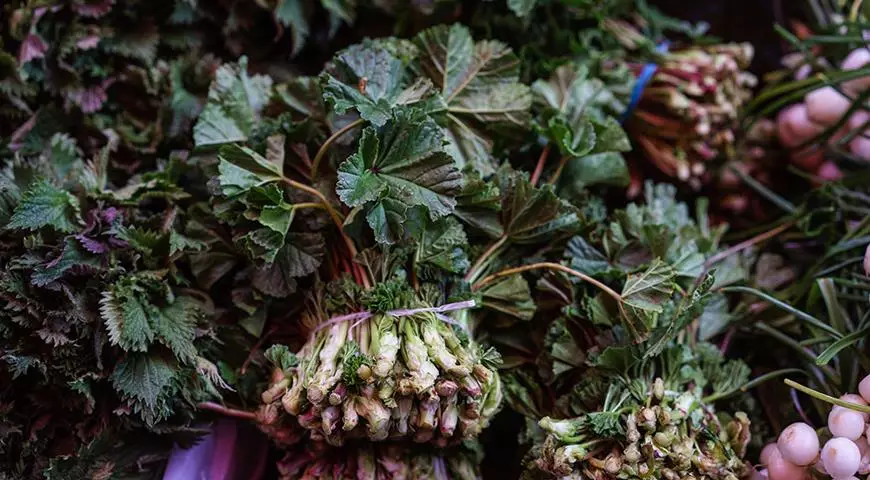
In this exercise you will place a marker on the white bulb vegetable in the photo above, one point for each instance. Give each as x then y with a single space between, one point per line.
799 444
864 388
841 457
846 423
859 58
853 398
826 105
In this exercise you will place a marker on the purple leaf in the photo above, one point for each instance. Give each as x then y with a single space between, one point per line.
91 245
32 48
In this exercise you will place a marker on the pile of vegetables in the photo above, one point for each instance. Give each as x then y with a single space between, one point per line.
537 239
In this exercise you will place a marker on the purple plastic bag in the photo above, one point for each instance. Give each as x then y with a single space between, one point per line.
230 451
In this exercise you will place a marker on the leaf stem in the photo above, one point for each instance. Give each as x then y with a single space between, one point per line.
557 267
788 308
750 384
303 205
827 398
539 167
336 217
562 162
474 271
230 412
332 138
747 243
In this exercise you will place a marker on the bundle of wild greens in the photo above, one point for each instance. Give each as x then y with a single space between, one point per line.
398 370
648 417
643 307
389 461
100 308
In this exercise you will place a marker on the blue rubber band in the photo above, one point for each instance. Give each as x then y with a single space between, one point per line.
648 72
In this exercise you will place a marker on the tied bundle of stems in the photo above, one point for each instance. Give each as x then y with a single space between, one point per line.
389 374
688 112
670 435
387 461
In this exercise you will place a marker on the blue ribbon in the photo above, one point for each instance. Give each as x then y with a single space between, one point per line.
649 70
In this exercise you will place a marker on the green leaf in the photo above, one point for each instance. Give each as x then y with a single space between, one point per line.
531 215
175 327
478 204
479 84
608 168
44 205
522 8
235 103
571 94
372 78
125 315
585 258
291 13
137 311
573 140
677 317
146 379
509 295
647 290
442 245
562 348
242 169
73 255
281 357
400 166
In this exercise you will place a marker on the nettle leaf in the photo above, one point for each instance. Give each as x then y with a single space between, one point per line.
45 205
372 78
235 103
72 256
400 166
137 311
145 379
442 245
522 8
533 214
480 88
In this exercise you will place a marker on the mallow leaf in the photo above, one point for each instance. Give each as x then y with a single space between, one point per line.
480 89
235 103
400 166
442 244
533 214
372 77
241 169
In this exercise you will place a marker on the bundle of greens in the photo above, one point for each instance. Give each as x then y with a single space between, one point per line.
641 428
99 308
397 371
388 461
688 112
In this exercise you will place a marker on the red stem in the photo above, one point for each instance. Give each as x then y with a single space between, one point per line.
539 167
230 412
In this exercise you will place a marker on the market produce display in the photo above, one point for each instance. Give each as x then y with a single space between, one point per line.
533 239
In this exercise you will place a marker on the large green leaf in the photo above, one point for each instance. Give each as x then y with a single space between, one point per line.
400 166
372 77
480 89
